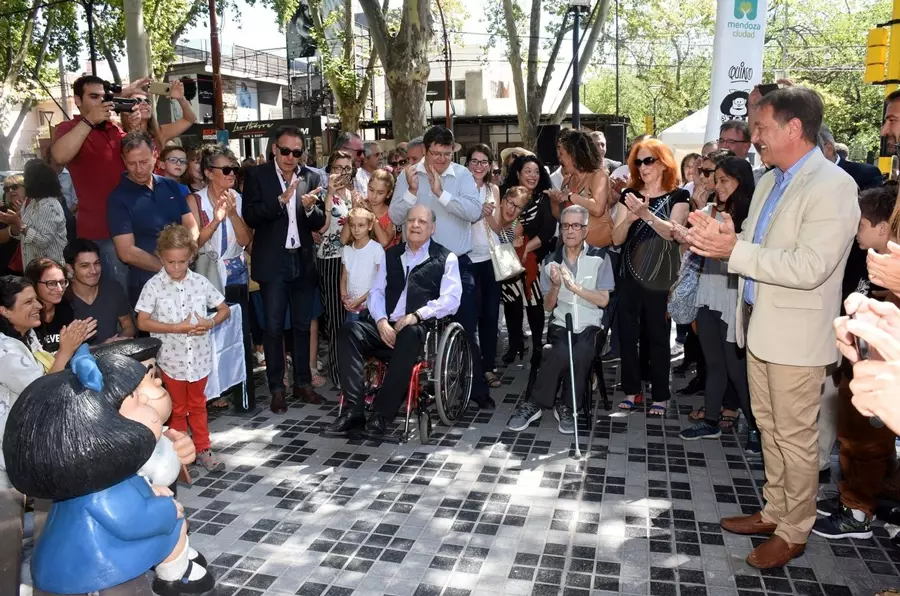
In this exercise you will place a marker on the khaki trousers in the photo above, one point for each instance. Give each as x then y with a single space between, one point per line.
785 401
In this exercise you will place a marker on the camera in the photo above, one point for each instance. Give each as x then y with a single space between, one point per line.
120 104
110 90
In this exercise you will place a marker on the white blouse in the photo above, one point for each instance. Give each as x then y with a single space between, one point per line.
18 369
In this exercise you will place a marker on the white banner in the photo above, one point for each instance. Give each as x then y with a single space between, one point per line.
737 60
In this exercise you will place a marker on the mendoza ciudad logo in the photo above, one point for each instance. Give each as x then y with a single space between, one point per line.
746 12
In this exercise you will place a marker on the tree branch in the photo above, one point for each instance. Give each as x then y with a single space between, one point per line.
534 31
108 55
189 17
370 69
554 52
515 59
377 26
18 58
348 33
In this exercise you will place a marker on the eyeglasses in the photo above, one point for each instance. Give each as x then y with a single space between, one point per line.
12 187
398 164
479 163
226 170
519 208
705 172
341 169
441 154
284 151
647 161
575 227
61 284
732 142
177 161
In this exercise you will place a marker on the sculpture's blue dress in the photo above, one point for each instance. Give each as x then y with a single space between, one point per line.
105 538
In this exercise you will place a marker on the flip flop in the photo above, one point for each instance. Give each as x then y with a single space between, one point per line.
658 410
317 380
727 422
696 414
220 404
632 405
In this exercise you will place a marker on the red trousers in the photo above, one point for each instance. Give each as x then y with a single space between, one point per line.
189 409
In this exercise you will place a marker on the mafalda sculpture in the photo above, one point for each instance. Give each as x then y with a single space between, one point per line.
79 437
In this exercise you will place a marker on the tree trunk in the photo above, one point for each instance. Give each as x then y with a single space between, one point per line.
514 54
407 88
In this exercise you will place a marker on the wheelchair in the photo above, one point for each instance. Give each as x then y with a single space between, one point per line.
441 380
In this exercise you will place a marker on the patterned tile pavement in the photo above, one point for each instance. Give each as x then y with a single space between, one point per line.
482 511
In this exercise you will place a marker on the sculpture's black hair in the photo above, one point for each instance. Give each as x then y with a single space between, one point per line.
63 440
140 349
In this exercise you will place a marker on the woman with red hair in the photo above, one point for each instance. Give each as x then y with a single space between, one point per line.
650 264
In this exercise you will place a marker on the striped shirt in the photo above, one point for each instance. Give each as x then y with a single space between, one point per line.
45 235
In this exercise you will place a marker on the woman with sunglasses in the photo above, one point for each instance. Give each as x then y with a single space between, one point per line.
164 133
397 160
13 199
219 208
537 228
705 184
50 283
478 161
653 204
339 200
717 298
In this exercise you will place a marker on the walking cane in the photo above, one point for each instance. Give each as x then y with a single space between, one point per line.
572 380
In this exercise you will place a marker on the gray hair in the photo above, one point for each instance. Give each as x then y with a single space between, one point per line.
344 138
135 139
825 137
370 146
708 147
210 153
578 210
416 142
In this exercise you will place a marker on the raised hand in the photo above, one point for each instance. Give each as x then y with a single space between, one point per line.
434 180
289 192
412 178
76 333
176 90
310 198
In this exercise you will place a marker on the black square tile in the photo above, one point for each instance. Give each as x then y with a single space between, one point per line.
237 577
442 563
427 590
663 589
393 556
312 589
360 565
519 572
610 584
260 581
521 558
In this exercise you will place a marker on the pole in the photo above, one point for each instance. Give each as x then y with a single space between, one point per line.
136 42
63 88
617 58
446 64
89 9
576 99
218 107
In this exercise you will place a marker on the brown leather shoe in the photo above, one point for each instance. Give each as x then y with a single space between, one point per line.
774 552
308 395
279 403
747 524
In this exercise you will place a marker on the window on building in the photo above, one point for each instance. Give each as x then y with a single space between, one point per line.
459 89
438 87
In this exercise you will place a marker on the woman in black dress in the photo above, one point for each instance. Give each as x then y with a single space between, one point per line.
536 227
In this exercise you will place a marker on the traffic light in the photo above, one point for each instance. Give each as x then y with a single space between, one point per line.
876 55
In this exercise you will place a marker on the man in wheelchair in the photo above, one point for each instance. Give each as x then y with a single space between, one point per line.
576 279
419 282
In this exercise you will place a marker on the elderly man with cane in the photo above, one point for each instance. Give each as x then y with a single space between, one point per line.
576 279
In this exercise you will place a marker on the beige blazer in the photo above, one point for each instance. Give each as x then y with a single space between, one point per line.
799 267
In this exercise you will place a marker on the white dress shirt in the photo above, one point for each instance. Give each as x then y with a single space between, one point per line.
292 240
361 181
445 305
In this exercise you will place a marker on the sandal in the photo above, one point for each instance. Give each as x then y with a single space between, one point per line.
317 380
727 422
492 380
698 414
220 404
657 410
629 405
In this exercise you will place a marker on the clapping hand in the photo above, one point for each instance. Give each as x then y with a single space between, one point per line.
221 210
884 270
202 326
412 178
709 237
865 312
310 198
358 200
76 333
638 207
555 277
434 180
11 218
568 280
557 196
289 192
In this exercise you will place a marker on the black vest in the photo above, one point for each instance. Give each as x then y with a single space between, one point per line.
424 279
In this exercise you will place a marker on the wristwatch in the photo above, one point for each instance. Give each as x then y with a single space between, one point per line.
418 317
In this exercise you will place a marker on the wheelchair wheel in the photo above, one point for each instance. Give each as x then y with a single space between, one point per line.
453 374
424 428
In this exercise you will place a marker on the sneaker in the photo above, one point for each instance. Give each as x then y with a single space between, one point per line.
524 415
677 350
566 420
207 461
754 446
701 430
843 524
829 507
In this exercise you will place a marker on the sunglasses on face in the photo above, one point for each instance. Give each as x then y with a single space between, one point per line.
61 284
226 170
177 161
705 172
284 151
12 187
398 164
647 161
358 152
497 172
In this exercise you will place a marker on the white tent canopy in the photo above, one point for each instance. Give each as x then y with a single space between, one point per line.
688 135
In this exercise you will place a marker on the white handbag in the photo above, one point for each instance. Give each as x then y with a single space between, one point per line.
504 258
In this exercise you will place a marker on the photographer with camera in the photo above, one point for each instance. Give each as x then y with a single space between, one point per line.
89 145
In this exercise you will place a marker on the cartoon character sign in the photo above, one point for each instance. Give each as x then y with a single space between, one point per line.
734 106
79 437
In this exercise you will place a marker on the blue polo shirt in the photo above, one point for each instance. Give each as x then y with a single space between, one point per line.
137 209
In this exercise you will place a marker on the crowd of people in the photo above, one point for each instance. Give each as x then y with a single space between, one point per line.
122 232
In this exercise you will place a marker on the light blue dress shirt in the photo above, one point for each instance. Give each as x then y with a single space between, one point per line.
782 180
458 207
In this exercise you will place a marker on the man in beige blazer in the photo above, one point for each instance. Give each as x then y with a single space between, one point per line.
790 256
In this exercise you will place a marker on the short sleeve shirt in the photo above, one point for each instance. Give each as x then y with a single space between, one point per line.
362 265
96 170
181 357
108 307
48 333
137 209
